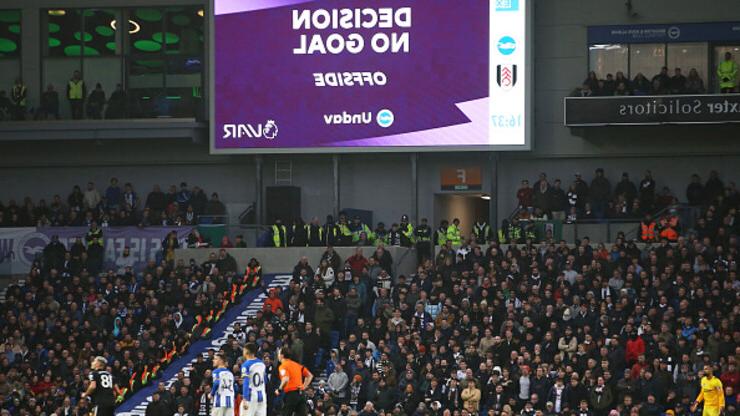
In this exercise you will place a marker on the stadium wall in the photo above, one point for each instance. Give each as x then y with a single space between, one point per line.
383 182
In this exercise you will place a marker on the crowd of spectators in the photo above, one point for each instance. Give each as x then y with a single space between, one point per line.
65 315
663 83
582 201
531 330
116 206
599 199
92 104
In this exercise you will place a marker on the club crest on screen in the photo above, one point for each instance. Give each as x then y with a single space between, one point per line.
506 76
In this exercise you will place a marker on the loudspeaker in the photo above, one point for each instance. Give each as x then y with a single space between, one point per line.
282 202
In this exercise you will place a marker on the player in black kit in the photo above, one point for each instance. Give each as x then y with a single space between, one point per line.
100 389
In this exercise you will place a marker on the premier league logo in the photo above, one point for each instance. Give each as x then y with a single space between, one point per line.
270 130
506 76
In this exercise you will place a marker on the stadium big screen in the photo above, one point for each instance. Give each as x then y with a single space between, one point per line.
381 75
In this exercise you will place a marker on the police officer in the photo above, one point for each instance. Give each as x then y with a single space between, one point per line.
18 96
330 232
482 232
76 93
423 237
514 231
344 232
453 233
407 232
727 74
501 235
440 236
315 233
380 234
279 234
358 227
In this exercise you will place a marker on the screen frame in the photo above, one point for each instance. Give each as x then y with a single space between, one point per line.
528 102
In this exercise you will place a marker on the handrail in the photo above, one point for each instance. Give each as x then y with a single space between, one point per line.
516 211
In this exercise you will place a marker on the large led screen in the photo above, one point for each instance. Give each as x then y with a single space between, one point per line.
377 75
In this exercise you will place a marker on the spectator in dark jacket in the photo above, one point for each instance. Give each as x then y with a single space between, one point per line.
641 85
695 191
599 193
647 191
592 81
609 86
678 82
157 407
557 201
621 79
96 102
694 84
581 188
216 208
49 104
541 194
117 104
661 82
156 200
714 187
626 187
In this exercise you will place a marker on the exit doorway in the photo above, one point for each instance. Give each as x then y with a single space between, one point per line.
468 208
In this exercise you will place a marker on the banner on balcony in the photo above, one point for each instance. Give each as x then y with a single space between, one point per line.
652 110
665 33
20 246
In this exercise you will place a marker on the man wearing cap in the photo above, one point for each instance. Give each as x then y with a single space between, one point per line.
407 232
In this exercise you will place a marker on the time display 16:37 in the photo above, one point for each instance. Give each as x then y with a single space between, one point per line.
510 121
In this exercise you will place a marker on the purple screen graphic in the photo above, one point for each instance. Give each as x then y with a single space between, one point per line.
298 74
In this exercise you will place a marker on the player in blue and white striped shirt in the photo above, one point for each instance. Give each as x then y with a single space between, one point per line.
222 392
254 394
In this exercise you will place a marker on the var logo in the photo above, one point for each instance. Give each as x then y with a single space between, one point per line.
269 130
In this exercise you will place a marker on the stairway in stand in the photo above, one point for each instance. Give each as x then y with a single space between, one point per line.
252 302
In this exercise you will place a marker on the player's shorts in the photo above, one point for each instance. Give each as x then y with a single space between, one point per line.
103 410
222 411
255 409
710 411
